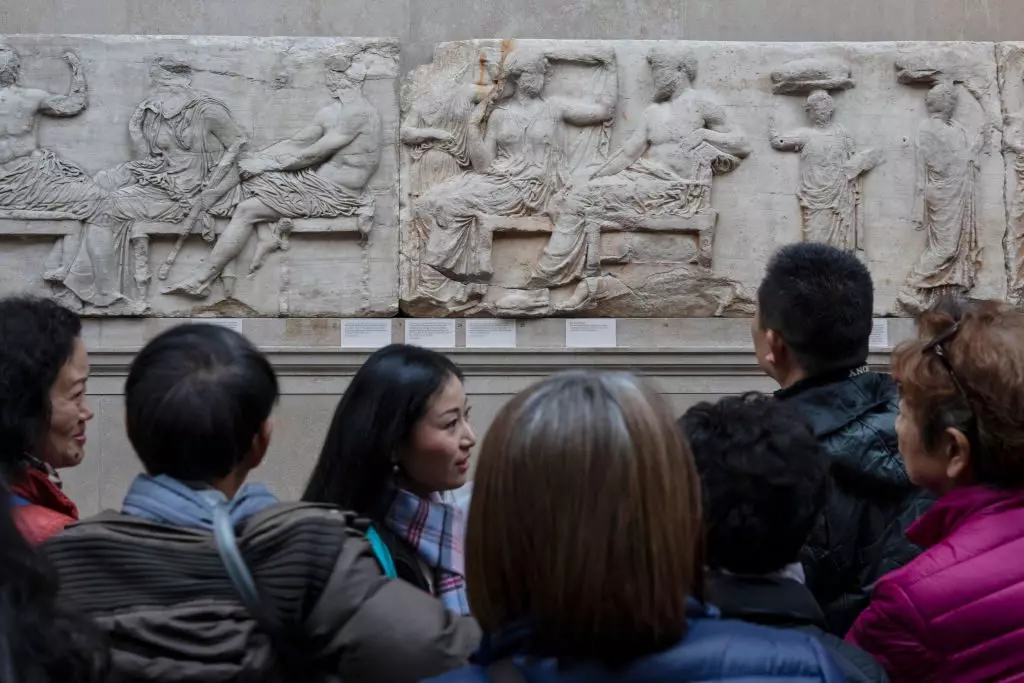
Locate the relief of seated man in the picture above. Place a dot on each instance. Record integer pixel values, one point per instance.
(32, 178)
(664, 169)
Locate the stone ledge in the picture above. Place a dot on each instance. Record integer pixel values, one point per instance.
(52, 224)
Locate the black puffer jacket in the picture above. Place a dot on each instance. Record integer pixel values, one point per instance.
(861, 533)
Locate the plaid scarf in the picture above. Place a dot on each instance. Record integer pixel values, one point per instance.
(435, 530)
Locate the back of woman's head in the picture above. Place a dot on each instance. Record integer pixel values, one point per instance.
(585, 519)
(37, 337)
(965, 371)
(41, 641)
(374, 421)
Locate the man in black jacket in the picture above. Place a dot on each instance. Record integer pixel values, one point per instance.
(811, 336)
(763, 478)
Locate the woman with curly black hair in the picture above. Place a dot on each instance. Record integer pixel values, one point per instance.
(40, 641)
(43, 410)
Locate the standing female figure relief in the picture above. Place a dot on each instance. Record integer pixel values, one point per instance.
(945, 204)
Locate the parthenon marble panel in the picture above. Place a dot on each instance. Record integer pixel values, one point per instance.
(176, 176)
(651, 178)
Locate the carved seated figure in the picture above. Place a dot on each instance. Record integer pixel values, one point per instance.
(518, 166)
(320, 172)
(662, 175)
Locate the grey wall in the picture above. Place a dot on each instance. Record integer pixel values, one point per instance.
(421, 23)
(689, 360)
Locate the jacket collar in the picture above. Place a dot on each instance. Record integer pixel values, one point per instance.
(771, 601)
(36, 486)
(957, 507)
(821, 380)
(518, 638)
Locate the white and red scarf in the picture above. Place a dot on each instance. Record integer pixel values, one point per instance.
(435, 530)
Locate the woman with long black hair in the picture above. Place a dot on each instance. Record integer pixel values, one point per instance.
(400, 439)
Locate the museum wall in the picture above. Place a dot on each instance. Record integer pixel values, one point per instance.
(355, 245)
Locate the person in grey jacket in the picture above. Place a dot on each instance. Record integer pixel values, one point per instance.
(198, 404)
(763, 483)
(811, 333)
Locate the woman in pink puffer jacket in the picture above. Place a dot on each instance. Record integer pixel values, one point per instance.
(956, 612)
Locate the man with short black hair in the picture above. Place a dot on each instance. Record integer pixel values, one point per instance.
(763, 484)
(155, 576)
(811, 336)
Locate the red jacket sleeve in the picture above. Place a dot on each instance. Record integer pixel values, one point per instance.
(892, 630)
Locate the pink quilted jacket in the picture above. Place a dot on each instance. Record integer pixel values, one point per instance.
(956, 612)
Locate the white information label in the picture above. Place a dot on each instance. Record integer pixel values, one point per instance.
(432, 333)
(365, 333)
(230, 323)
(490, 333)
(590, 333)
(879, 338)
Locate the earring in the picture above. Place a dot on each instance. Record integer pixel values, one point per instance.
(395, 468)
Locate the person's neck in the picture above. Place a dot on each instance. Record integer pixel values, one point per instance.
(789, 376)
(231, 484)
(416, 489)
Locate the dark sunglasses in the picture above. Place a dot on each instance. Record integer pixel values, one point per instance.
(936, 347)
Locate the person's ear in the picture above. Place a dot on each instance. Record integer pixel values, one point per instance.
(777, 352)
(260, 445)
(957, 454)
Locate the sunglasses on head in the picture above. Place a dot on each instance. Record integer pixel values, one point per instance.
(936, 347)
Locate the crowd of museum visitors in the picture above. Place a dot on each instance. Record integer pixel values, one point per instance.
(854, 525)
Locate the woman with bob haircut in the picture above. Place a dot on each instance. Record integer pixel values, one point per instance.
(584, 557)
(400, 440)
(956, 612)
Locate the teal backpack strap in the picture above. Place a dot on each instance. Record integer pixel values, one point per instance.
(382, 553)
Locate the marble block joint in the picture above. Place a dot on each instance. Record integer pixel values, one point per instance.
(297, 177)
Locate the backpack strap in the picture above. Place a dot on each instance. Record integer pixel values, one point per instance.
(505, 671)
(380, 549)
(295, 661)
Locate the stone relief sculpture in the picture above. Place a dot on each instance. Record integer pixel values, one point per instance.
(538, 165)
(945, 203)
(1013, 146)
(436, 132)
(539, 177)
(183, 138)
(320, 172)
(187, 168)
(33, 179)
(831, 166)
(663, 170)
(517, 148)
(1010, 58)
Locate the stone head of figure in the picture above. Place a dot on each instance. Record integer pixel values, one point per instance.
(342, 74)
(672, 70)
(10, 65)
(819, 107)
(942, 100)
(170, 71)
(528, 71)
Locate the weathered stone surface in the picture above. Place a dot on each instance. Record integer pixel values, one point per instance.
(281, 152)
(641, 178)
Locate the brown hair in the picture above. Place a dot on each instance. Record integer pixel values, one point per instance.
(585, 520)
(980, 392)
